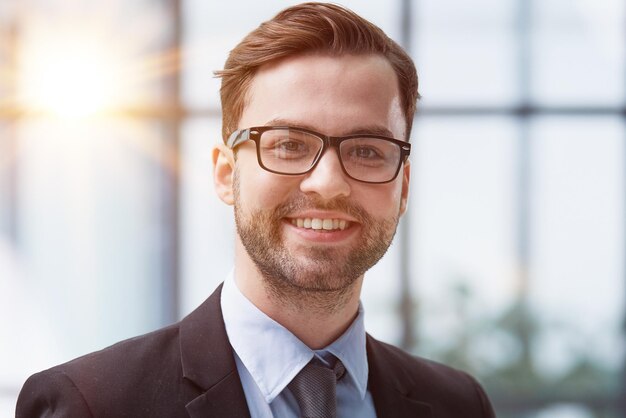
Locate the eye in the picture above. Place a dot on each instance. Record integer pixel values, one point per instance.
(289, 148)
(290, 145)
(364, 152)
(372, 153)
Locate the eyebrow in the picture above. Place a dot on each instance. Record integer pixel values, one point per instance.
(370, 129)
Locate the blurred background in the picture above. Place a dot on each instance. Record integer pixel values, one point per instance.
(509, 264)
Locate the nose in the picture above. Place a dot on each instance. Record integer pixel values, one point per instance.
(327, 179)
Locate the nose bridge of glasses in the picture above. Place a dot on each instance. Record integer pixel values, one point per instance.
(329, 142)
(333, 142)
(326, 175)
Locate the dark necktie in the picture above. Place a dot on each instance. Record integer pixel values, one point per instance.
(315, 389)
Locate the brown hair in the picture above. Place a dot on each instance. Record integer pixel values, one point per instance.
(310, 27)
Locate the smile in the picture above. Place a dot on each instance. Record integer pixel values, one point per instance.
(320, 224)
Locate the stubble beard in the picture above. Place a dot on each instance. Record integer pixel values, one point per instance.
(324, 278)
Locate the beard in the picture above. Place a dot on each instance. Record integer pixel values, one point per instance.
(315, 272)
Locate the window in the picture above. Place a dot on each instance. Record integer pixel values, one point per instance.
(510, 262)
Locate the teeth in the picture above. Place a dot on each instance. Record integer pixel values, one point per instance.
(316, 223)
(320, 224)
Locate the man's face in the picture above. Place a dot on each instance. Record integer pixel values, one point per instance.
(278, 217)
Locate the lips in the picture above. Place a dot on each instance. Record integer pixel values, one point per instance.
(326, 224)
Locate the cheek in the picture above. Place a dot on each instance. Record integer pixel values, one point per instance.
(259, 189)
(381, 201)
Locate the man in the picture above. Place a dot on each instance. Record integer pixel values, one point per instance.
(318, 105)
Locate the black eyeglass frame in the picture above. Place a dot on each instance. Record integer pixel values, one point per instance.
(240, 136)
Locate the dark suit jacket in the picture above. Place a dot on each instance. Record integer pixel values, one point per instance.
(188, 370)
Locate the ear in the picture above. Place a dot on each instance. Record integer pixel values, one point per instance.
(406, 177)
(223, 171)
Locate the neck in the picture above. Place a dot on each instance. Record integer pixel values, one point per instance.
(317, 318)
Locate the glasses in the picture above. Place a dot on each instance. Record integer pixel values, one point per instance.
(296, 151)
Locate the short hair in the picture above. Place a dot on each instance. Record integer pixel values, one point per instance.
(310, 28)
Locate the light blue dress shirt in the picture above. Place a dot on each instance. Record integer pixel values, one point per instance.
(268, 357)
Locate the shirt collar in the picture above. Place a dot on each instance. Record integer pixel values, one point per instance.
(350, 349)
(273, 355)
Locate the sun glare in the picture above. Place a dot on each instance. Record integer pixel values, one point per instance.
(74, 62)
(69, 78)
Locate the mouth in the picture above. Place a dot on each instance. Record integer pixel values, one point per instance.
(321, 224)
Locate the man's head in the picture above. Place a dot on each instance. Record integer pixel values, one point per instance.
(317, 230)
(306, 28)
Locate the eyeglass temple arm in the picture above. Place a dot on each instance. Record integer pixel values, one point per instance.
(237, 138)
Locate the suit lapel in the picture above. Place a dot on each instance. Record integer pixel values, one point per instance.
(207, 361)
(390, 386)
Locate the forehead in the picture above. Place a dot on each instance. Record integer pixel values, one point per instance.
(333, 94)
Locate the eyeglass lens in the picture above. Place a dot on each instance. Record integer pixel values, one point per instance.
(291, 151)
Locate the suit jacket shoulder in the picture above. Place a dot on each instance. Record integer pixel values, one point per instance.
(177, 371)
(422, 385)
(188, 370)
(136, 373)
